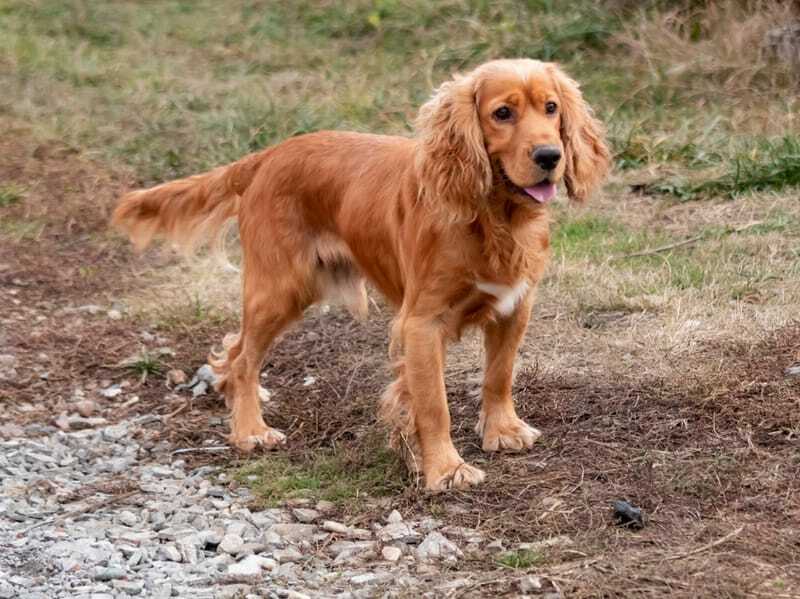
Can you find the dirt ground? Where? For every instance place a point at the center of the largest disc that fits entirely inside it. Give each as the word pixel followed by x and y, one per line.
pixel 702 436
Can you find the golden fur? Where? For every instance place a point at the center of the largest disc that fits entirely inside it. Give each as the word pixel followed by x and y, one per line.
pixel 438 223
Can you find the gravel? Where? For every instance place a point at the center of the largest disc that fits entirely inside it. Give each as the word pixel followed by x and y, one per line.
pixel 88 512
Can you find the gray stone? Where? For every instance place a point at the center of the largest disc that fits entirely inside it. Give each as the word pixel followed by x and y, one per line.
pixel 391 554
pixel 335 527
pixel 290 554
pixel 394 517
pixel 112 573
pixel 211 536
pixel 529 584
pixel 293 533
pixel 129 587
pixel 161 591
pixel 189 546
pixel 111 392
pixel 305 515
pixel 437 546
pixel 127 518
pixel 398 531
pixel 115 432
pixel 252 565
pixel 169 553
pixel 231 543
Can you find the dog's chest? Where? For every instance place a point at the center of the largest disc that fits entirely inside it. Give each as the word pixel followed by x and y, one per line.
pixel 504 298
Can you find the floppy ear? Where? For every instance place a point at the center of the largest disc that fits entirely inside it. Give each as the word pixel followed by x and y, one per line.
pixel 587 157
pixel 452 164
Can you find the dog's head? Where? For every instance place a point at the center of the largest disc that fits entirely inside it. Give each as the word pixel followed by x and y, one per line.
pixel 518 123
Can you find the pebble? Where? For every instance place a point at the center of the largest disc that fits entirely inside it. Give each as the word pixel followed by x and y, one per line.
pixel 249 566
pixel 394 517
pixel 86 407
pixel 176 377
pixel 290 554
pixel 103 574
pixel 231 543
pixel 530 584
pixel 391 554
pixel 169 553
pixel 335 527
pixel 127 518
pixel 305 515
pixel 111 392
pixel 437 546
pixel 129 587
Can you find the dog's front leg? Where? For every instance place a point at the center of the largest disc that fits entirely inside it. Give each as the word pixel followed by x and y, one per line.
pixel 424 349
pixel 498 424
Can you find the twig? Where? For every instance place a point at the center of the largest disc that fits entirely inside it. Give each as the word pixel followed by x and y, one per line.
pixel 89 508
pixel 462 592
pixel 177 411
pixel 677 244
pixel 200 449
pixel 706 547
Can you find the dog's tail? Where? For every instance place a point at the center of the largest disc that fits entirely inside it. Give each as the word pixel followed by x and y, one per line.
pixel 187 211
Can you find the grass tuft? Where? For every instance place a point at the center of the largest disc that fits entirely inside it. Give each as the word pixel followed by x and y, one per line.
pixel 144 364
pixel 332 475
pixel 10 193
pixel 521 559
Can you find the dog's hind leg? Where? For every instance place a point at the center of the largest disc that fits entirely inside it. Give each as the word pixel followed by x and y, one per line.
pixel 273 298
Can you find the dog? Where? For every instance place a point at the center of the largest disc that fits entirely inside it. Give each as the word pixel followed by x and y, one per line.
pixel 451 226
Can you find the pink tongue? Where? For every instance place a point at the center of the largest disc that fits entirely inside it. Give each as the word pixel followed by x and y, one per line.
pixel 542 192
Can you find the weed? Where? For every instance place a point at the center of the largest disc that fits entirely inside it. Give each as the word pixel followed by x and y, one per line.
pixel 144 364
pixel 521 559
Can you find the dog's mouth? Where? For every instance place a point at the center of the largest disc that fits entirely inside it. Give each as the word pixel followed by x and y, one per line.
pixel 542 192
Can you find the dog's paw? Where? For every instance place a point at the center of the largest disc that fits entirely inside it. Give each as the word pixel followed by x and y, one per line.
pixel 506 432
pixel 456 476
pixel 268 438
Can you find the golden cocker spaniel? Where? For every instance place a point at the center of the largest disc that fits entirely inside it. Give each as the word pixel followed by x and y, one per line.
pixel 451 226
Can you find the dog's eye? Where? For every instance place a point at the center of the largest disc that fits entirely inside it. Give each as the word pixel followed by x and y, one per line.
pixel 503 113
pixel 550 107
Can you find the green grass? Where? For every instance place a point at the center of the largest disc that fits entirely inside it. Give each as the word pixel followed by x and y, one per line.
pixel 771 165
pixel 521 559
pixel 10 193
pixel 599 238
pixel 336 476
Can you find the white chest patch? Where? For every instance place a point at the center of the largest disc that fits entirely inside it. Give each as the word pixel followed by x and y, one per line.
pixel 507 297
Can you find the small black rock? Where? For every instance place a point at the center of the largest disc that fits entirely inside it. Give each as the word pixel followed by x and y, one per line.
pixel 627 515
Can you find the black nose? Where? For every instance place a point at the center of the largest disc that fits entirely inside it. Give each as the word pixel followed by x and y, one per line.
pixel 546 157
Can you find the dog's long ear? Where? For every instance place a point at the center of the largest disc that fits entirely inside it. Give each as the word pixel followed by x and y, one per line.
pixel 453 167
pixel 587 157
